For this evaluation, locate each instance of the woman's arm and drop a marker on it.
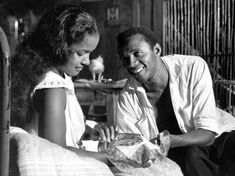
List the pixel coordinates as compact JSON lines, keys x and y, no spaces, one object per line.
{"x":50,"y":104}
{"x":96,"y":155}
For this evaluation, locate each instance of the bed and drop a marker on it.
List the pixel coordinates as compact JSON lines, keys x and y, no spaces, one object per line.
{"x":32,"y":155}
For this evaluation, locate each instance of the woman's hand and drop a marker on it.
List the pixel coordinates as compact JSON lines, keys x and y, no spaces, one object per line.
{"x":103,"y":133}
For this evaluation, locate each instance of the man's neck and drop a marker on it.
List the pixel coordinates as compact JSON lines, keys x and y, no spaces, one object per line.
{"x":156,"y":85}
{"x":160,"y":79}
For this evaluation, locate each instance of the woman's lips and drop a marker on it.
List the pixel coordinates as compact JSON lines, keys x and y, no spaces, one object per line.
{"x":79,"y":68}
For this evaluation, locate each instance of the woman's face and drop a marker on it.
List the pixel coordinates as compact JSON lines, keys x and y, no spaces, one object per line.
{"x":79,"y":56}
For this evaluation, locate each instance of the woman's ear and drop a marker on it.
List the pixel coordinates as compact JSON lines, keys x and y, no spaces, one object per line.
{"x":157,"y":49}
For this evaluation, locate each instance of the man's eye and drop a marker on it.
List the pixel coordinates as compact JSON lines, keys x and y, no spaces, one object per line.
{"x":138,"y":54}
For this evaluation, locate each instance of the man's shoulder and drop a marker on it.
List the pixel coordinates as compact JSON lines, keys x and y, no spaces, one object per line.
{"x":183,"y":60}
{"x":131,"y":87}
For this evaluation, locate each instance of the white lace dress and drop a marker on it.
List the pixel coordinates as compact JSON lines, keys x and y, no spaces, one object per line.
{"x":75,"y":121}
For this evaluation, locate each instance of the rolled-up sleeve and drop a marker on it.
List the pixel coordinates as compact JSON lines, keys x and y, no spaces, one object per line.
{"x":204,"y":107}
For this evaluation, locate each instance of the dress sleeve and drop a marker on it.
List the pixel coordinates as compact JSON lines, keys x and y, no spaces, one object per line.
{"x":204,"y":109}
{"x":52,"y":80}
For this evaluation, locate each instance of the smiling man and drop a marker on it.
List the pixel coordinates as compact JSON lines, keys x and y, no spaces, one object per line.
{"x":174,"y":93}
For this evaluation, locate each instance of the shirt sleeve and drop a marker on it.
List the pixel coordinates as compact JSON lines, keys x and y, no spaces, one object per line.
{"x":204,"y":108}
{"x":134,"y":112}
{"x":127,"y":114}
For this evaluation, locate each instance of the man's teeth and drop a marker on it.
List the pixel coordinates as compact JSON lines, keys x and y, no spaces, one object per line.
{"x":138,"y":70}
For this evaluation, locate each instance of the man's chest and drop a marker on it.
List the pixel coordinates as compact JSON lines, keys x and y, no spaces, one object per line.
{"x":163,"y":110}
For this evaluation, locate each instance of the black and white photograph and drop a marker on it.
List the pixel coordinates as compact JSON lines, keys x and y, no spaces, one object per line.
{"x":117,"y":88}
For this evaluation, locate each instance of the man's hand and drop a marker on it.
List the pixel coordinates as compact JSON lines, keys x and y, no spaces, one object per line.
{"x":163,"y":141}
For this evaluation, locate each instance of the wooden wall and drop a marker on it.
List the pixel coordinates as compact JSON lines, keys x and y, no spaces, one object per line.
{"x":146,"y":13}
{"x":205,"y":28}
{"x":107,"y":45}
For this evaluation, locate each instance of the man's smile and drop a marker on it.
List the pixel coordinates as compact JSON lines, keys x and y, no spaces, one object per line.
{"x":136,"y":70}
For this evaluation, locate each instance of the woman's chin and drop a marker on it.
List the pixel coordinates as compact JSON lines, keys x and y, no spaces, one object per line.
{"x":76,"y":73}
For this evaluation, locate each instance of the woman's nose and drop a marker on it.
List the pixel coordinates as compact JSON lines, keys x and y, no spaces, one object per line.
{"x":86,"y":59}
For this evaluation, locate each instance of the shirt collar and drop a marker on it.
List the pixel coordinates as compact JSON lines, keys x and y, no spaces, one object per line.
{"x":173,"y":67}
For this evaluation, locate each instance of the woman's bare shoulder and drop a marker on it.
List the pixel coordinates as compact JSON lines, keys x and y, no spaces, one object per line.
{"x":50,"y":97}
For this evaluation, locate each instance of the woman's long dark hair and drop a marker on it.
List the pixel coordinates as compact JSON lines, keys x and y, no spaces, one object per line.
{"x":47,"y":46}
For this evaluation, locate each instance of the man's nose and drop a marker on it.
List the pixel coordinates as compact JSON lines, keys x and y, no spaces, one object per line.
{"x":132,"y":61}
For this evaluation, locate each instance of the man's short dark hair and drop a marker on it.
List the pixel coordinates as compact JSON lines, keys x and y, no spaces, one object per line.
{"x":148,"y":35}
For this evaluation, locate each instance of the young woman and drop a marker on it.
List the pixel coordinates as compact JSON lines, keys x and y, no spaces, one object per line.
{"x":42,"y":89}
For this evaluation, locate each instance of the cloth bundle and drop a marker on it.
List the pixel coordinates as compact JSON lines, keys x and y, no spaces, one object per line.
{"x":134,"y":155}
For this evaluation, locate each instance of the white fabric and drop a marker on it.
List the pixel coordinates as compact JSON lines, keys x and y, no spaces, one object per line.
{"x":192,"y":99}
{"x":75,"y":123}
{"x":35,"y":156}
{"x":14,"y":129}
{"x":91,"y":123}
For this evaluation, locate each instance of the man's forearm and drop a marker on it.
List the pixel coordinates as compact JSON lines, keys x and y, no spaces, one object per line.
{"x":195,"y":137}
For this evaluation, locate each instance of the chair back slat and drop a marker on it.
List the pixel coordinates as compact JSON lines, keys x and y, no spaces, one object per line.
{"x":5,"y":103}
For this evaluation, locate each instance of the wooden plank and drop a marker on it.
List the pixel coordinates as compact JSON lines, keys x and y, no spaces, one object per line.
{"x":197,"y":28}
{"x":145,"y":12}
{"x":182,"y":23}
{"x":111,"y":107}
{"x":178,"y":49}
{"x":187,"y":25}
{"x":171,"y":27}
{"x":214,"y":36}
{"x":192,"y":32}
{"x":229,"y":38}
{"x":221,"y":40}
{"x":204,"y":27}
{"x":200,"y":28}
{"x":227,"y":11}
{"x":175,"y":26}
{"x":136,"y":13}
{"x":232,"y":36}
{"x":210,"y":27}
{"x":225,"y":38}
{"x":165,"y":29}
{"x":208,"y":19}
{"x":218,"y":21}
{"x":5,"y":104}
{"x":158,"y":24}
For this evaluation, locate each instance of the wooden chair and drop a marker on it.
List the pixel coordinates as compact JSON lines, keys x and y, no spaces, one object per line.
{"x":5,"y":104}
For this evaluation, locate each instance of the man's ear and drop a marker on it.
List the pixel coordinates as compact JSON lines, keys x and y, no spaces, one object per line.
{"x":157,"y":49}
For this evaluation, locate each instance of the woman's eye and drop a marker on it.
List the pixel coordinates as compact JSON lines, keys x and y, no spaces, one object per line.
{"x":79,"y":53}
